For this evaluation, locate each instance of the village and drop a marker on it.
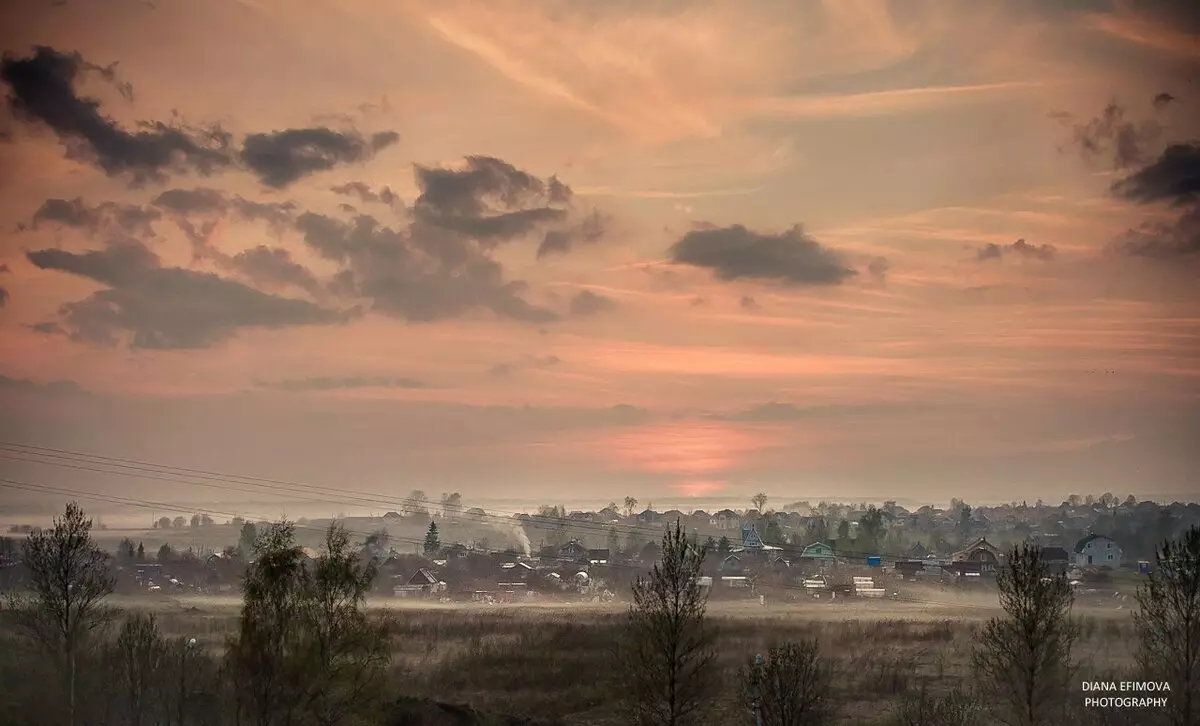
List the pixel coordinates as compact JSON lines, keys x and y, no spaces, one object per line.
{"x":595,"y":556}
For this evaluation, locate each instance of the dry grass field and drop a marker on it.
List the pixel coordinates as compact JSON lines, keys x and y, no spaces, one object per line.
{"x":551,"y":661}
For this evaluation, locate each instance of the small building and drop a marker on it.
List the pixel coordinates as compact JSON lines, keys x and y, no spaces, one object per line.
{"x":817,"y":553}
{"x":725,"y":520}
{"x":649,"y":516}
{"x":732,"y":563}
{"x":981,"y":553}
{"x":598,"y":556}
{"x":1098,"y":550}
{"x":573,"y":551}
{"x":1056,"y":559}
{"x":423,"y":583}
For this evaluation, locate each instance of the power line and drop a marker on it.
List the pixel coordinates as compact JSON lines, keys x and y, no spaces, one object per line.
{"x":234,"y":482}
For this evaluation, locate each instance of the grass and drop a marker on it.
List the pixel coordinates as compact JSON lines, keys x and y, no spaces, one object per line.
{"x":551,"y":661}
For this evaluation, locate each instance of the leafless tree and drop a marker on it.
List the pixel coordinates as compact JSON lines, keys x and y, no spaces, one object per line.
{"x":1169,"y":624}
{"x":68,"y":580}
{"x":630,"y":504}
{"x":792,"y":687}
{"x":759,"y":501}
{"x":666,"y":656}
{"x":1024,"y":658}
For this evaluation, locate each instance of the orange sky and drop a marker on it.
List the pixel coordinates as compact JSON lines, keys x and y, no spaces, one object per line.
{"x":862,"y":248}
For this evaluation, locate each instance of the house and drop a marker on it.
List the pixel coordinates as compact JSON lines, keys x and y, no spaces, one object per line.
{"x":700,"y":515}
{"x":817,"y":552}
{"x":752,"y":541}
{"x":392,"y":517}
{"x":572,"y":551}
{"x":918,"y":551}
{"x":1057,"y":559}
{"x":910,"y":568}
{"x":672,"y":515}
{"x":423,"y":583}
{"x":608,"y":516}
{"x":476,"y":513}
{"x":1098,"y":550}
{"x":598,"y":556}
{"x":649,"y":516}
{"x":456,"y":551}
{"x":732,"y":563}
{"x":981,"y":552}
{"x":726,"y":519}
{"x":515,"y":571}
{"x":581,"y":516}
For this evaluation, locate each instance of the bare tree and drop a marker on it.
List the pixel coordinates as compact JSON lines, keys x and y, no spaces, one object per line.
{"x":1169,"y":624}
{"x":1024,"y":658}
{"x":630,"y":504}
{"x":68,"y":580}
{"x":792,"y":687}
{"x":759,"y":501}
{"x":666,"y":656}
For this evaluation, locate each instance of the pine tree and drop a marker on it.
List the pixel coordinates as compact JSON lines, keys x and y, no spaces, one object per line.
{"x":432,"y":542}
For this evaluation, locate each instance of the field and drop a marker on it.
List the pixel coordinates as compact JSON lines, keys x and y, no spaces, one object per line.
{"x":550,"y":661}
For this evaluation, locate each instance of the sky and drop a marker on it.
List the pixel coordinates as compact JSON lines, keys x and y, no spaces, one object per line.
{"x":558,"y":251}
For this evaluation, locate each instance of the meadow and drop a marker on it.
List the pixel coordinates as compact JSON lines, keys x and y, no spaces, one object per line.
{"x":551,"y":662}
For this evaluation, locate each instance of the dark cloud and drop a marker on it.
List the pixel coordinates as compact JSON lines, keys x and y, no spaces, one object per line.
{"x":500,"y":370}
{"x":24,"y":384}
{"x":4,"y":268}
{"x":587,"y":302}
{"x":698,"y":301}
{"x":197,"y":212}
{"x":1174,"y":179}
{"x":589,"y":230}
{"x":47,"y":328}
{"x":272,"y":266}
{"x":419,"y":273}
{"x":280,"y":158}
{"x":3,"y":296}
{"x":1021,"y":248}
{"x":791,"y":258}
{"x":490,"y":200}
{"x":106,"y":217}
{"x":1110,"y":134}
{"x":748,"y":303}
{"x":365,"y":193}
{"x":1163,"y":99}
{"x":152,"y":306}
{"x":340,"y":383}
{"x":43,"y":90}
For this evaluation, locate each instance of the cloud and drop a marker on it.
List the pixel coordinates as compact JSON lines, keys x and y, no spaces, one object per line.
{"x":280,"y":158}
{"x":104,"y":217}
{"x":1022,"y":248}
{"x":489,"y":200}
{"x":501,"y":370}
{"x":43,"y":90}
{"x":878,"y":269}
{"x":1173,"y":178}
{"x":776,"y":411}
{"x":1110,"y":135}
{"x":25,"y":384}
{"x":197,"y":211}
{"x":419,"y":274}
{"x":151,"y":306}
{"x":363,"y":192}
{"x":587,"y":302}
{"x":749,"y":303}
{"x":589,"y":230}
{"x":272,"y":266}
{"x":1162,"y":99}
{"x":791,"y":258}
{"x":324,"y":383}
